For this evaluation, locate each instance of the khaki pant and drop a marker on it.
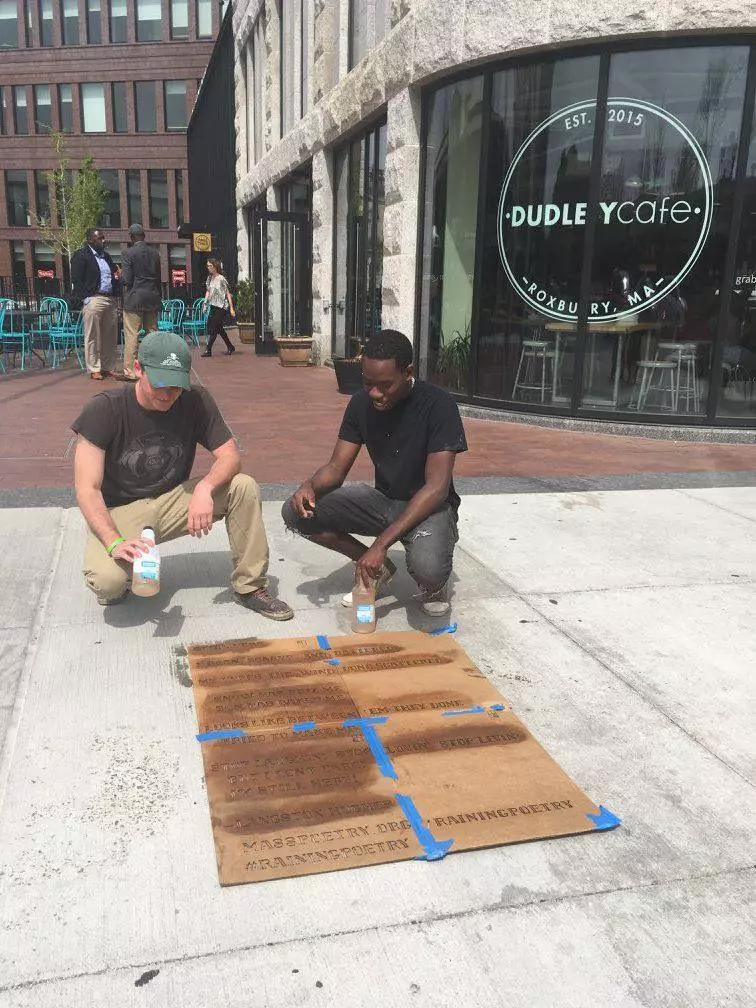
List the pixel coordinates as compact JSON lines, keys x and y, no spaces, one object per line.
{"x":239,"y":503}
{"x":132,"y":323}
{"x":100,"y":333}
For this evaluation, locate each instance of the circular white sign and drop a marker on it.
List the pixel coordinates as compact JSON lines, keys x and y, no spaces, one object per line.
{"x":625,"y":117}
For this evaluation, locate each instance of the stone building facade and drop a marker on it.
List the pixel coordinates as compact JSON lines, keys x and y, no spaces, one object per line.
{"x":314,"y":78}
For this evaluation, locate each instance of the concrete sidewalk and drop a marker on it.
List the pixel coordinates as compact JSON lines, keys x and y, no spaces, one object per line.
{"x":620,"y":626}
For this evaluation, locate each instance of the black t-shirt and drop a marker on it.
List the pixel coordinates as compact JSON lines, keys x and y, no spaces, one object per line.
{"x":400,"y":440}
{"x":148,"y":453}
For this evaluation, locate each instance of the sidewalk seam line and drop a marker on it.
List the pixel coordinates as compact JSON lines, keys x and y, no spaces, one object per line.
{"x":685,"y":491}
{"x":32,"y":646}
{"x":416,"y":923}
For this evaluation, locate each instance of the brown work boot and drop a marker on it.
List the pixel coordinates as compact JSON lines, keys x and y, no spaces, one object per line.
{"x":262,"y":602}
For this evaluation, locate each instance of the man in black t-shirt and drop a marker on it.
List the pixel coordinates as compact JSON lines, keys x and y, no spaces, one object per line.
{"x":413,"y":433}
{"x":134,"y":457}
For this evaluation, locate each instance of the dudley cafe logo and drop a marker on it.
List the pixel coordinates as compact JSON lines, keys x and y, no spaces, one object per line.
{"x":526,"y":229}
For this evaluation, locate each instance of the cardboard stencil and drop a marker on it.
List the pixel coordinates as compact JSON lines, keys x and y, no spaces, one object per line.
{"x":350,"y":751}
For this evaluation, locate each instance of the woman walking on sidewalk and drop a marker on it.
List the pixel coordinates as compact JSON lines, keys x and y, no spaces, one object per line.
{"x":218,"y":296}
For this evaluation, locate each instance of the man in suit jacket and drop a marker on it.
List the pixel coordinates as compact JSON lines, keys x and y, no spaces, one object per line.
{"x":94,"y":286}
{"x":141,"y":295}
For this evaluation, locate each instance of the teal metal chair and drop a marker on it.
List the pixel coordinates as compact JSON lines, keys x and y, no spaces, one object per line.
{"x":53,"y":313}
{"x":13,"y":339}
{"x":66,"y":339}
{"x":196,"y":325}
{"x":171,"y":315}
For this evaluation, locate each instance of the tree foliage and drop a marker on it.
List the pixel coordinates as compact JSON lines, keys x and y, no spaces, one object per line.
{"x":80,"y":199}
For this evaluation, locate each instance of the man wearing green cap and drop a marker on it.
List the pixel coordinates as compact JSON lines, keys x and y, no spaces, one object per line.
{"x":134,"y":455}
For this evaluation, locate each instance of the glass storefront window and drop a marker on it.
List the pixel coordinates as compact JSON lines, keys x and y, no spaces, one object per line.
{"x":591,"y":274}
{"x":664,"y":214}
{"x":737,"y":379}
{"x":451,"y":200}
{"x":539,"y":163}
{"x":19,"y":260}
{"x":358,"y":236}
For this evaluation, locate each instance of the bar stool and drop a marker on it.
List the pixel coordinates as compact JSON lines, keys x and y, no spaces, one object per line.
{"x":685,"y":357}
{"x":536,"y":358}
{"x":660,"y":378}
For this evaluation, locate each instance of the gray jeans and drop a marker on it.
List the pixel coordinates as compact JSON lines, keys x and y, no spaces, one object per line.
{"x":361,"y":510}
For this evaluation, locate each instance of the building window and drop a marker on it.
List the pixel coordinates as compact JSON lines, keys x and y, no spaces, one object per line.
{"x":17,"y":196}
{"x":94,"y":22}
{"x":42,"y":108}
{"x":358,"y":238}
{"x":118,"y":16}
{"x":28,"y":23}
{"x":3,"y":112}
{"x":180,"y":196}
{"x":177,"y":265}
{"x":44,"y":261}
{"x":120,"y":115}
{"x":149,"y":23}
{"x":179,"y":19}
{"x":42,"y":194}
{"x":358,"y":31}
{"x":20,"y":111}
{"x":134,"y":195}
{"x":93,"y":107}
{"x":111,"y":211}
{"x":8,"y":24}
{"x":18,"y":257}
{"x":70,"y":12}
{"x":146,"y":111}
{"x":204,"y":19}
{"x":291,"y":67}
{"x":175,"y":105}
{"x":65,"y":107}
{"x":157,"y":185}
{"x":46,"y":22}
{"x":115,"y":251}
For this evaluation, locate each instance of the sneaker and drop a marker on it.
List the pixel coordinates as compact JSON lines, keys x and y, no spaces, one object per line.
{"x":387,"y":572}
{"x":436,"y":603}
{"x":262,"y":602}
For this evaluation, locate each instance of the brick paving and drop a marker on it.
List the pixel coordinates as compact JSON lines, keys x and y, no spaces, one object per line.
{"x":286,"y":420}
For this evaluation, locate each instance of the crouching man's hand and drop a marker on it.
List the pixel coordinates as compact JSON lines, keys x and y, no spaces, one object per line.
{"x":303,"y":501}
{"x":370,"y":564}
{"x":200,"y":517}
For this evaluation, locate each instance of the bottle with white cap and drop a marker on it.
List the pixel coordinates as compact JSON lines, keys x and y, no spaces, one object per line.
{"x":145,"y":579}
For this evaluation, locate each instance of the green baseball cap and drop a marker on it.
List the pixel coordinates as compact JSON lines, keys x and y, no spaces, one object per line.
{"x":166,"y":359}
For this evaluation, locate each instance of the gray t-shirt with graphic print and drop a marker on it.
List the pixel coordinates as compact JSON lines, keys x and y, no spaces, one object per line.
{"x":148,"y":453}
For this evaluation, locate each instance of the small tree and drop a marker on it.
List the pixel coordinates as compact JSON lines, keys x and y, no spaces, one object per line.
{"x":80,"y":198}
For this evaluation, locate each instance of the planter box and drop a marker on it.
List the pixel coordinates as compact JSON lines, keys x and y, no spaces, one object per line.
{"x":246,"y":332}
{"x":348,"y":374}
{"x":294,"y":351}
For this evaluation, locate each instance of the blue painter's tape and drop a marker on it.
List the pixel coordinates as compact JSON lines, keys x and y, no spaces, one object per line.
{"x":498,"y":706}
{"x":451,"y":628}
{"x":469,"y":710}
{"x":381,"y":757}
{"x":434,"y":849}
{"x":334,"y":661}
{"x":209,"y":736}
{"x":303,"y":726}
{"x":605,"y":819}
{"x":323,"y":643}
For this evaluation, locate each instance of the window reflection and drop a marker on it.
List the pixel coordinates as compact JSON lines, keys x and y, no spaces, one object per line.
{"x":665,"y":209}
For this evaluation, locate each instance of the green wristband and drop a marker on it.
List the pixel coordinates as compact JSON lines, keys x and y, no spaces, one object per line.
{"x":116,"y":542}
